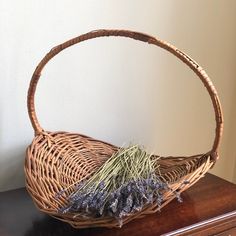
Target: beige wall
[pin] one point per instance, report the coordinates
(118, 90)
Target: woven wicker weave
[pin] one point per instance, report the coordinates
(82, 155)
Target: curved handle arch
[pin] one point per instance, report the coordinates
(141, 37)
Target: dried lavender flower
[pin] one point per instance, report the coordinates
(125, 184)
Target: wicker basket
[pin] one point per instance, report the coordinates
(82, 155)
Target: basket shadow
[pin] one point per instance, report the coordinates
(11, 168)
(157, 223)
(50, 226)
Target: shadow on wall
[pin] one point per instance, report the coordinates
(12, 168)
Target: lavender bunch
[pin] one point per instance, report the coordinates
(123, 185)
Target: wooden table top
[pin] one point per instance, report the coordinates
(210, 200)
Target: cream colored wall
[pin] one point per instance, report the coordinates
(117, 90)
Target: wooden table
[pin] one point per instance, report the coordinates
(208, 208)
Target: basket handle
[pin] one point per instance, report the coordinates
(141, 37)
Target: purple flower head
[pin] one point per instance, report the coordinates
(101, 185)
(113, 206)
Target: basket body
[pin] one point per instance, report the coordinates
(56, 160)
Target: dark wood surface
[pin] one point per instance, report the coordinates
(208, 208)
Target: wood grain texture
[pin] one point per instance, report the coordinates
(205, 211)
